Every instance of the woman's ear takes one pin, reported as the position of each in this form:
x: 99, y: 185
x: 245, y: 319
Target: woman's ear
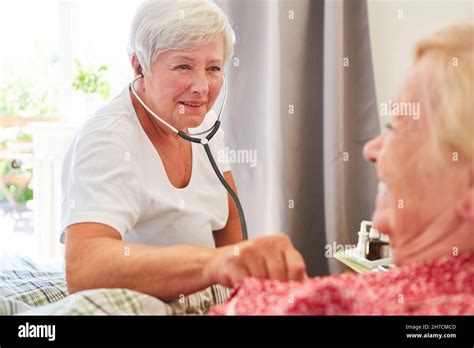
x: 465, y: 206
x: 137, y: 68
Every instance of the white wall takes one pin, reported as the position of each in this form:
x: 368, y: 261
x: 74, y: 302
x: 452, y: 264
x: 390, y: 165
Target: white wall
x: 393, y: 38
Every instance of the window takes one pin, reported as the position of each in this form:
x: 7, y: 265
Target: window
x: 49, y: 48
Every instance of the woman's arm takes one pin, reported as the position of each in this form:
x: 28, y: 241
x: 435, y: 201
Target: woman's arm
x: 232, y: 232
x: 97, y: 258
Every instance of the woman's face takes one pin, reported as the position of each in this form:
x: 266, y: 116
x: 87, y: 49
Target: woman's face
x: 416, y: 186
x: 183, y: 85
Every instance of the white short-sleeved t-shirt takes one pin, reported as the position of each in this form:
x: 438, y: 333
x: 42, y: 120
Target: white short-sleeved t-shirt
x: 112, y: 174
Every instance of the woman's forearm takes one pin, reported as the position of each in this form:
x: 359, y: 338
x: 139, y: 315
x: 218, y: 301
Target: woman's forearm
x: 163, y: 272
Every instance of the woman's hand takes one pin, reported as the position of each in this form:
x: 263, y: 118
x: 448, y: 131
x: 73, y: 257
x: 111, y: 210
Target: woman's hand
x: 270, y: 257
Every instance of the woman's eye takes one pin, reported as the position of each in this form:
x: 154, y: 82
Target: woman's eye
x: 183, y: 67
x: 215, y: 68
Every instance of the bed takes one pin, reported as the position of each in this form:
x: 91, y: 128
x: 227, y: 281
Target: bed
x: 29, y: 287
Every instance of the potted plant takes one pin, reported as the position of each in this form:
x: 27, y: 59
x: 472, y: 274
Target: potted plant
x: 92, y: 83
x: 23, y: 142
x: 15, y: 182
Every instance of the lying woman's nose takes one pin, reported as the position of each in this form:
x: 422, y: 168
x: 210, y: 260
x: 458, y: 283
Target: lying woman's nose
x: 371, y: 149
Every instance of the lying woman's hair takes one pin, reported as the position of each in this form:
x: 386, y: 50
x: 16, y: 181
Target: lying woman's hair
x: 451, y: 87
x: 162, y: 25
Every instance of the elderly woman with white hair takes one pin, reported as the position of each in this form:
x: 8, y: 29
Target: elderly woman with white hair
x: 427, y: 164
x: 142, y: 207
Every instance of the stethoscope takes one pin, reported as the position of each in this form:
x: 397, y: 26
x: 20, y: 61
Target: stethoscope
x: 204, y: 141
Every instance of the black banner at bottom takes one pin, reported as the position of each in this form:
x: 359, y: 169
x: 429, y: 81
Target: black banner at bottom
x: 142, y: 330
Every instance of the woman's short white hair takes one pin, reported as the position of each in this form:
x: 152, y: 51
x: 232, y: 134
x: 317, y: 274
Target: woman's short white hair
x: 162, y: 25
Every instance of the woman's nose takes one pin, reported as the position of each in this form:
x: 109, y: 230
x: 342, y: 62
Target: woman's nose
x: 200, y: 84
x: 371, y: 149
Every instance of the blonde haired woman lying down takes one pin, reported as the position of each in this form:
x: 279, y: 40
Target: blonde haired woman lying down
x: 428, y: 163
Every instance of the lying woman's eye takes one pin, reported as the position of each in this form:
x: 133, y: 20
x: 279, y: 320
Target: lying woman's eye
x: 183, y: 67
x: 215, y: 68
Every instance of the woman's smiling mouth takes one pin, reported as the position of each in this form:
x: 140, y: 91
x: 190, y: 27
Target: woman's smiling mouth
x: 192, y: 104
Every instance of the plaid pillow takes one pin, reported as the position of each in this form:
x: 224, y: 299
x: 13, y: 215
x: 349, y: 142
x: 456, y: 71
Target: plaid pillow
x: 25, y: 284
x: 128, y: 302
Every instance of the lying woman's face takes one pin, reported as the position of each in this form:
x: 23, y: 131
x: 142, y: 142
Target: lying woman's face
x: 416, y: 186
x: 183, y: 85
